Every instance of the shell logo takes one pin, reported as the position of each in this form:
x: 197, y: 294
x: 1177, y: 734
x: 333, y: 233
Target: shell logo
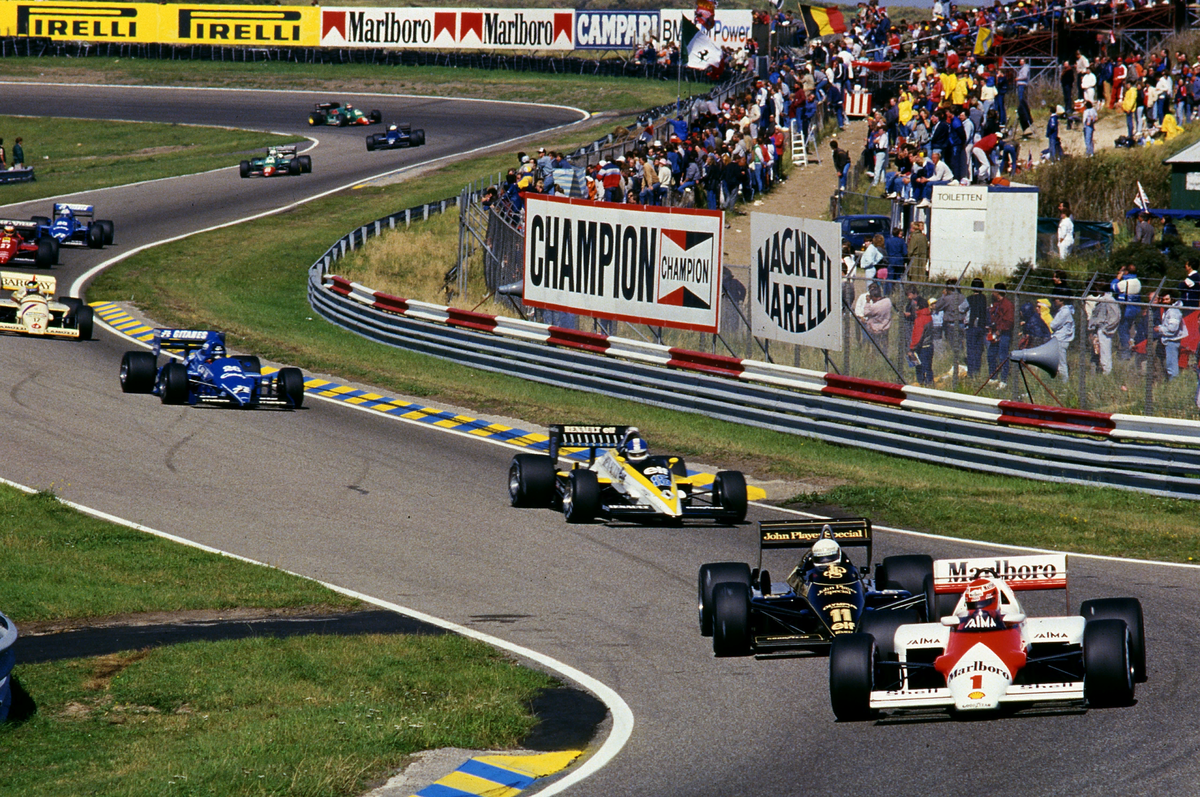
x: 976, y: 695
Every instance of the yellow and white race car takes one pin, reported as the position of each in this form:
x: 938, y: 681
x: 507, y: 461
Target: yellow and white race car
x: 30, y: 308
x: 615, y: 478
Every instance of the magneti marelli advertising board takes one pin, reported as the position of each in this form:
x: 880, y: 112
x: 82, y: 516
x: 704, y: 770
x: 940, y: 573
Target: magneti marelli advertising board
x: 635, y: 263
x: 796, y: 281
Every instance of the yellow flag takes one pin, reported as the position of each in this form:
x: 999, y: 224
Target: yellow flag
x: 983, y: 41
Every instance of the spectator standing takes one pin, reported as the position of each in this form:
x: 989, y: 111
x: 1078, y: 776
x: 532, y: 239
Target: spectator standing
x: 874, y: 258
x: 878, y: 315
x: 1129, y: 104
x: 918, y: 253
x: 1062, y: 329
x: 1143, y: 232
x: 897, y: 257
x: 841, y: 164
x: 1189, y: 286
x: 1054, y: 145
x: 3, y: 161
x: 1089, y: 129
x: 920, y: 346
x: 1171, y: 332
x: 18, y: 158
x: 1000, y: 329
x: 1126, y: 288
x: 1102, y: 325
x: 1066, y: 231
x: 976, y: 327
x: 952, y: 306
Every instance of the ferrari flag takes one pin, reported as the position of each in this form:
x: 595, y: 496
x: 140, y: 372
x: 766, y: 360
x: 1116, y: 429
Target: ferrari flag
x: 822, y: 21
x: 702, y: 51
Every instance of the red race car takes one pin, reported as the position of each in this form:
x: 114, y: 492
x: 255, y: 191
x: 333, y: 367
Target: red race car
x: 20, y: 241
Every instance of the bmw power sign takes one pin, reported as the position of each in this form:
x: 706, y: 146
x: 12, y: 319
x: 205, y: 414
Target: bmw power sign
x: 796, y: 281
x: 644, y: 265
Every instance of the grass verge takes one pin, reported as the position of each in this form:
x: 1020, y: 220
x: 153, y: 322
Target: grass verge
x: 310, y: 715
x: 71, y: 155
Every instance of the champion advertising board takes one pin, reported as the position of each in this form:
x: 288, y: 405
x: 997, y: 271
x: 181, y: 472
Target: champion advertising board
x: 796, y: 280
x: 457, y: 29
x: 644, y: 265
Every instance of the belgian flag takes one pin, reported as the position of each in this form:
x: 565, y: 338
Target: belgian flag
x: 822, y: 21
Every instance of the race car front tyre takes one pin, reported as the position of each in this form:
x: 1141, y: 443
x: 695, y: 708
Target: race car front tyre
x: 294, y: 167
x: 881, y: 624
x: 110, y: 230
x: 305, y: 163
x: 1107, y: 668
x: 376, y: 117
x: 582, y: 501
x: 1129, y: 610
x: 729, y: 494
x: 370, y: 143
x: 250, y: 363
x: 851, y: 676
x: 289, y: 384
x: 84, y: 322
x: 416, y: 138
x: 711, y: 576
x: 914, y: 574
x: 138, y: 370
x: 71, y: 303
x: 47, y: 253
x: 731, y: 620
x: 173, y: 383
x: 531, y: 480
x: 95, y: 236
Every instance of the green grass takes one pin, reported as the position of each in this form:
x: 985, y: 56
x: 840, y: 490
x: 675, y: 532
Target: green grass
x: 70, y: 155
x: 301, y: 716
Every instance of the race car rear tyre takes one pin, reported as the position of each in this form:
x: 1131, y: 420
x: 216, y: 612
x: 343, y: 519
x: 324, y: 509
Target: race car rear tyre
x: 110, y: 230
x: 95, y: 236
x: 41, y: 221
x: 138, y: 369
x: 531, y: 480
x: 582, y: 501
x: 913, y: 573
x: 250, y: 363
x: 84, y: 322
x: 173, y: 383
x: 376, y: 117
x: 729, y: 494
x: 313, y: 119
x: 1107, y: 667
x: 731, y: 620
x: 882, y: 624
x: 245, y: 169
x: 712, y: 575
x: 851, y: 676
x: 47, y: 253
x: 289, y: 384
x: 417, y: 138
x: 370, y: 143
x: 1129, y: 610
x: 305, y: 163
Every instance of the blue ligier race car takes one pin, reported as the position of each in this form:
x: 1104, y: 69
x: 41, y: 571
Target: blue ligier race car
x: 207, y: 375
x: 825, y: 596
x: 76, y: 225
x: 396, y: 137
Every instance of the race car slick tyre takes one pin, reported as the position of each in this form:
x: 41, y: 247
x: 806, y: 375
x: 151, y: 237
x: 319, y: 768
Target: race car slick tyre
x: 294, y: 167
x: 173, y: 383
x: 417, y: 138
x: 47, y: 253
x: 1129, y: 610
x: 913, y: 573
x: 245, y: 169
x: 370, y: 143
x: 95, y: 236
x: 313, y: 119
x: 731, y: 620
x: 729, y: 493
x: 376, y: 117
x: 110, y: 230
x: 1107, y: 668
x: 250, y: 363
x: 851, y: 676
x: 84, y: 322
x: 582, y: 501
x: 138, y: 370
x: 711, y: 575
x: 305, y: 163
x: 289, y: 385
x: 882, y: 624
x: 531, y: 481
x: 41, y: 221
x: 71, y: 302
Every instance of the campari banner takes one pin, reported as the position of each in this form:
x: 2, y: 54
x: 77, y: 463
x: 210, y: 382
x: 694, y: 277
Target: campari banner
x: 796, y: 280
x: 644, y: 265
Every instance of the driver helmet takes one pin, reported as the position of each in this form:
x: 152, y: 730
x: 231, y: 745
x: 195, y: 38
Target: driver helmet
x: 635, y: 448
x: 393, y: 128
x: 982, y: 594
x: 826, y: 552
x: 66, y: 212
x: 9, y: 229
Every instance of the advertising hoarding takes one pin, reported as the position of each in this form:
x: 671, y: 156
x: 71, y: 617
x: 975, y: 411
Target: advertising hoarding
x: 796, y: 280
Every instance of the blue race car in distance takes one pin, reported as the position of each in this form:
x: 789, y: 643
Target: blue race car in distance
x: 76, y: 225
x: 207, y: 374
x: 397, y: 137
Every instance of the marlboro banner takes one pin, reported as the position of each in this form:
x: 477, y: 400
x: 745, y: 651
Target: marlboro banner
x: 796, y: 280
x: 644, y: 265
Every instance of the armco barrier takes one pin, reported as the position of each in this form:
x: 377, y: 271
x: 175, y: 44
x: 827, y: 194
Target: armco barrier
x: 989, y: 435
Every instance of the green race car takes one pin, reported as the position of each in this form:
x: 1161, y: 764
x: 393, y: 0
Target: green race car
x: 334, y: 113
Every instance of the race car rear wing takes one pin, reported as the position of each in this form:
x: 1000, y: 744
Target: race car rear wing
x: 76, y: 209
x: 16, y: 280
x: 589, y: 438
x: 847, y: 532
x: 28, y: 229
x: 283, y: 149
x: 182, y: 341
x: 1036, y: 571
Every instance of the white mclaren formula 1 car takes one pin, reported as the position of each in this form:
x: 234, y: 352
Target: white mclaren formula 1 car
x: 984, y: 653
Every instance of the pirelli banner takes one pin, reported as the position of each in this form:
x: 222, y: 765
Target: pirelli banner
x: 796, y: 280
x: 644, y: 265
x: 248, y: 25
x: 448, y: 29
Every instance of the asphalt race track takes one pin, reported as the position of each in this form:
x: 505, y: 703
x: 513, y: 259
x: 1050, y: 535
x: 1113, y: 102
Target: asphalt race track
x: 418, y: 517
